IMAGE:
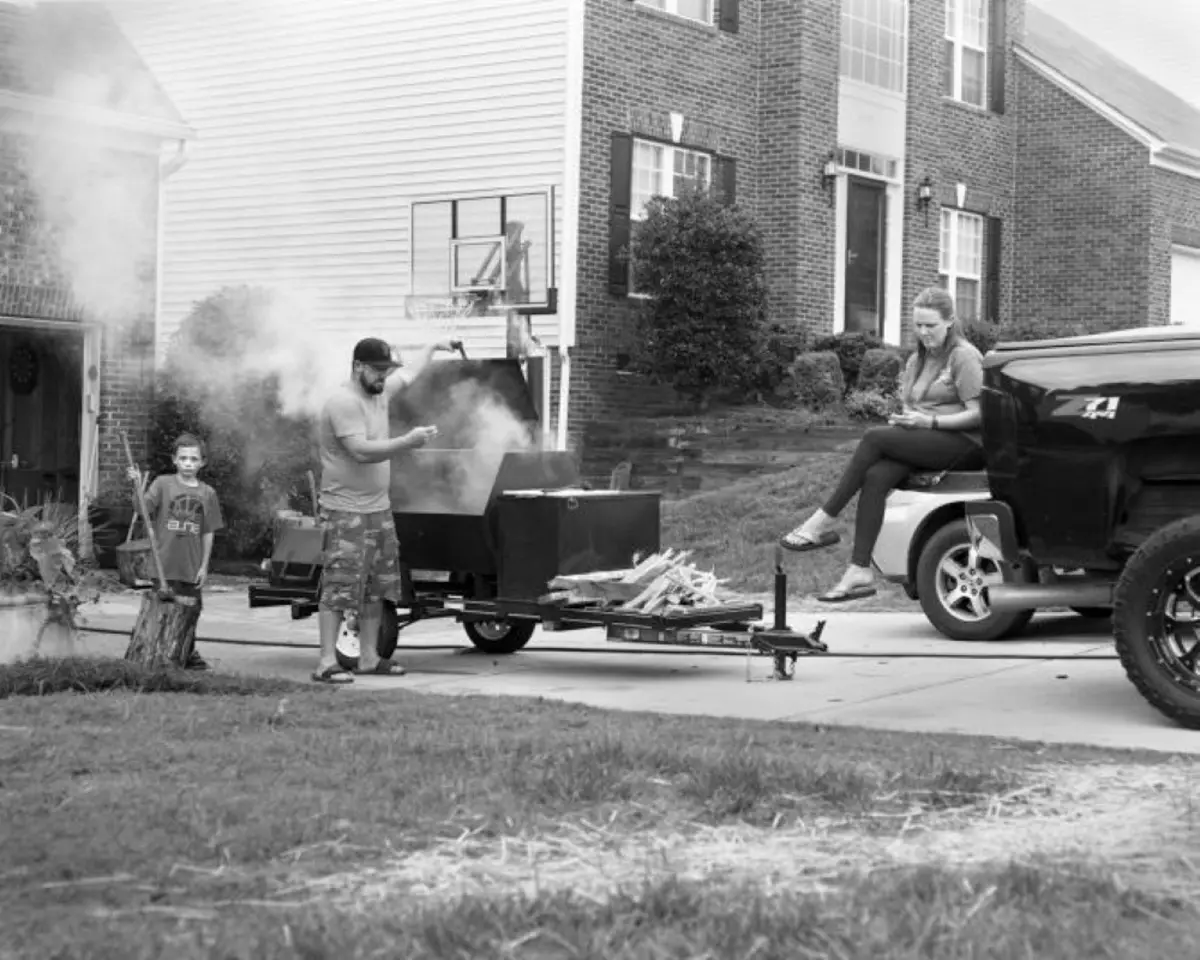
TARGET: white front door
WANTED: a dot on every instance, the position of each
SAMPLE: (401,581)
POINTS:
(1185,286)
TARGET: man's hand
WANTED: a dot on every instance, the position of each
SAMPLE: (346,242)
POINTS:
(202,576)
(134,474)
(419,436)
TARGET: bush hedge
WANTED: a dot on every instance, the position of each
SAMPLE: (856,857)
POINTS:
(880,370)
(849,349)
(815,380)
(870,405)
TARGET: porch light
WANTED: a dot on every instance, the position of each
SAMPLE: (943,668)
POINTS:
(829,175)
(924,196)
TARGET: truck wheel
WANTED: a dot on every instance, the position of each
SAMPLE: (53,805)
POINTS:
(389,634)
(953,594)
(1156,612)
(499,636)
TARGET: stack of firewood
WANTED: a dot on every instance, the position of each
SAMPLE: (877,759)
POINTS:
(654,585)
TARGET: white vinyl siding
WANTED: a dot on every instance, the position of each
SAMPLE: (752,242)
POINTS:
(319,123)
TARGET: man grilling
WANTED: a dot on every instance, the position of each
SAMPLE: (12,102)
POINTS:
(362,553)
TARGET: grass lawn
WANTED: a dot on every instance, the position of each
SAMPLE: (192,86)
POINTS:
(189,816)
(734,530)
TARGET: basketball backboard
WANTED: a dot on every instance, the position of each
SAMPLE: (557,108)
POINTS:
(487,251)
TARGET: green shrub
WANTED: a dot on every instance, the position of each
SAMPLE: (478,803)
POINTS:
(257,457)
(849,348)
(880,370)
(782,342)
(985,336)
(701,262)
(870,405)
(815,380)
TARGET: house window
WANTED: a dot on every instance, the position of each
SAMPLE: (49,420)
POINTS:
(873,41)
(660,170)
(966,50)
(961,263)
(701,10)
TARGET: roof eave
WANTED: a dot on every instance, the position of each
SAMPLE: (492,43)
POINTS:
(1089,99)
(1177,159)
(102,117)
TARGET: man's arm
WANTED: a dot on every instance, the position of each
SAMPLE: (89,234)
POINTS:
(402,376)
(363,450)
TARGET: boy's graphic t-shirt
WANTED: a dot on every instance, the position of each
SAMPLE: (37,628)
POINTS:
(182,515)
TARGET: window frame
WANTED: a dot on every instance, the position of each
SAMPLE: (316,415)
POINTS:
(949,279)
(671,8)
(637,211)
(845,17)
(953,36)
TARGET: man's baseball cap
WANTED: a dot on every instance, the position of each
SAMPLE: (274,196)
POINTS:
(376,353)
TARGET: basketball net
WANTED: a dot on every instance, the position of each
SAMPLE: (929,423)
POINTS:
(441,317)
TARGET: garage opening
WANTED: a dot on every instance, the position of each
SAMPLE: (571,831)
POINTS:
(1185,286)
(41,412)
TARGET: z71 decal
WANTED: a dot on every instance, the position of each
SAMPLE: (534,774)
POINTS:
(1088,407)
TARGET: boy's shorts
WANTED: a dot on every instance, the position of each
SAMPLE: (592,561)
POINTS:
(362,560)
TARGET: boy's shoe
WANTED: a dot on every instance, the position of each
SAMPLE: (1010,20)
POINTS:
(195,662)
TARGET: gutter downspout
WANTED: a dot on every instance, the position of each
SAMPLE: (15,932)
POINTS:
(572,175)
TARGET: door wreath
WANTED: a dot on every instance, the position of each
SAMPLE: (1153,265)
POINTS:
(23,369)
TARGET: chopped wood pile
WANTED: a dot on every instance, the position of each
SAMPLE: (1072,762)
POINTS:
(654,585)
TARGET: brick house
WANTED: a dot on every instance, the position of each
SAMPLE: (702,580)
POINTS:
(878,143)
(1109,176)
(82,124)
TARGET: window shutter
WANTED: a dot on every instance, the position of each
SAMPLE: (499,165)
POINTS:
(619,194)
(997,59)
(995,252)
(726,180)
(727,18)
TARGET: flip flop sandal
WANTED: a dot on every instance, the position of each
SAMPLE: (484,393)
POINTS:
(385,668)
(801,544)
(333,675)
(860,592)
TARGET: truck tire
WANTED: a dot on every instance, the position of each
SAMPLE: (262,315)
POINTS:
(943,576)
(499,636)
(346,650)
(1158,589)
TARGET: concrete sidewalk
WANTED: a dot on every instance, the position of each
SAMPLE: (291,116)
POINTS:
(1060,682)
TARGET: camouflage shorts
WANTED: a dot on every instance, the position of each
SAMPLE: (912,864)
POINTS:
(362,560)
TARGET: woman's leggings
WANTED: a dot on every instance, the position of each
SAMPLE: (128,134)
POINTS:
(884,459)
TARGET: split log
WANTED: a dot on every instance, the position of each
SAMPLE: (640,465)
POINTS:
(165,631)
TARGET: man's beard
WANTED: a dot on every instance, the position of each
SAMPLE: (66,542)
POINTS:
(374,387)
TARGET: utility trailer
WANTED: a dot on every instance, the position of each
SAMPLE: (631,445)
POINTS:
(486,520)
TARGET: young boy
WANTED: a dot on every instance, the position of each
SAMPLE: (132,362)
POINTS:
(185,513)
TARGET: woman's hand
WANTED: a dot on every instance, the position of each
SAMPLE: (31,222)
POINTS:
(912,420)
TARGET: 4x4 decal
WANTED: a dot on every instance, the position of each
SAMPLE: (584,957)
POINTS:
(1089,407)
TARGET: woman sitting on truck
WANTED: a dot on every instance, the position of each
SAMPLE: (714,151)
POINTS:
(938,429)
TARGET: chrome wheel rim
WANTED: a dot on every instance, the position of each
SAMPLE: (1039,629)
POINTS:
(963,579)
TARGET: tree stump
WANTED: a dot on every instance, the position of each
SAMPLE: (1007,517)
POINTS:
(165,630)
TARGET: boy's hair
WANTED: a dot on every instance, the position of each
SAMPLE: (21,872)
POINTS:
(188,440)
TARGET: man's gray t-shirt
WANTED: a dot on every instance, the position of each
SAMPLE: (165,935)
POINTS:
(347,484)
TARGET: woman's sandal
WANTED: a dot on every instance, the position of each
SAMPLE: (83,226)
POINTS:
(385,668)
(333,675)
(800,542)
(857,592)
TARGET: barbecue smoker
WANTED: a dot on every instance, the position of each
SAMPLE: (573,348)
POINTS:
(487,519)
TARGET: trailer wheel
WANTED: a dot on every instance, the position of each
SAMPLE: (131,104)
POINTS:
(389,634)
(1156,613)
(953,593)
(499,636)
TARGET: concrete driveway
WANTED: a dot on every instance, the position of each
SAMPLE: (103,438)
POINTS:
(1060,682)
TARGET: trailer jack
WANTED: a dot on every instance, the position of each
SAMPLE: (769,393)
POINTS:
(779,640)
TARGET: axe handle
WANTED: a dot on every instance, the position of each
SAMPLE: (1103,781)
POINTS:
(150,532)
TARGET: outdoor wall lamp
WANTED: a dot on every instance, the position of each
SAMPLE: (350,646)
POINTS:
(924,196)
(829,175)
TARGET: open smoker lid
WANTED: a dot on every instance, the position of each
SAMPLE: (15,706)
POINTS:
(459,396)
